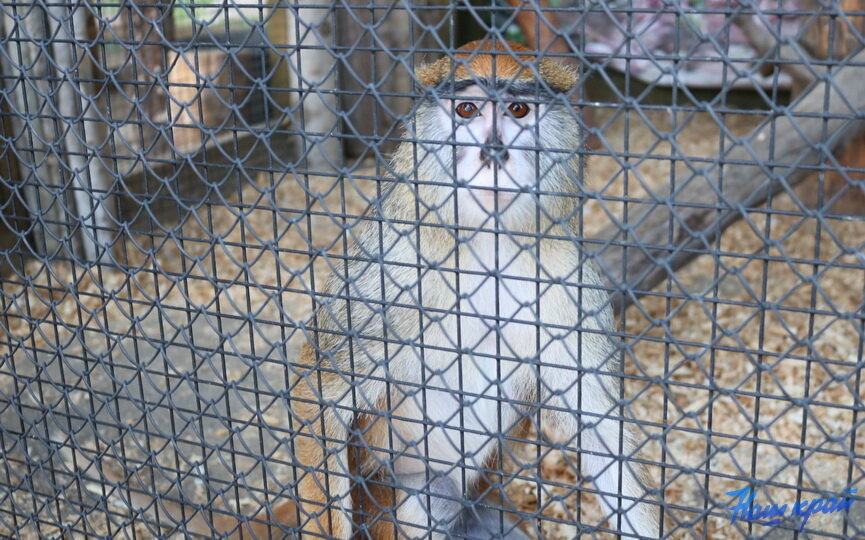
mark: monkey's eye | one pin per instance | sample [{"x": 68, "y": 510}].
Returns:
[
  {"x": 467, "y": 109},
  {"x": 518, "y": 110}
]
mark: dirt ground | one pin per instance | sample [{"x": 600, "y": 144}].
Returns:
[{"x": 716, "y": 381}]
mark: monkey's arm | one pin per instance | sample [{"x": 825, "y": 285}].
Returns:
[{"x": 323, "y": 486}]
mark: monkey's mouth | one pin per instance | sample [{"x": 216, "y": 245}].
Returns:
[
  {"x": 490, "y": 185},
  {"x": 490, "y": 197}
]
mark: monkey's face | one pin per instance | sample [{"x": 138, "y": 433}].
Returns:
[{"x": 496, "y": 143}]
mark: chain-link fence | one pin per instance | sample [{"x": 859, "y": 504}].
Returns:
[{"x": 299, "y": 268}]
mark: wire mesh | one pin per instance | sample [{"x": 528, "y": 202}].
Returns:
[{"x": 264, "y": 273}]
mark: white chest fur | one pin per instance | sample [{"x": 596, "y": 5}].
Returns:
[{"x": 467, "y": 400}]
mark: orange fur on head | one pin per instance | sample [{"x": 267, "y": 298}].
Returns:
[{"x": 503, "y": 61}]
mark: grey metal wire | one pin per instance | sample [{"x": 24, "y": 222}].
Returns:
[{"x": 171, "y": 207}]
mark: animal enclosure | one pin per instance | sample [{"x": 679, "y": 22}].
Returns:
[{"x": 181, "y": 181}]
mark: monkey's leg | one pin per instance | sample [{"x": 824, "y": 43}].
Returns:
[
  {"x": 323, "y": 488},
  {"x": 607, "y": 457},
  {"x": 493, "y": 515},
  {"x": 428, "y": 506},
  {"x": 485, "y": 523},
  {"x": 434, "y": 507}
]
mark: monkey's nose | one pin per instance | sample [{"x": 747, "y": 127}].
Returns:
[{"x": 492, "y": 151}]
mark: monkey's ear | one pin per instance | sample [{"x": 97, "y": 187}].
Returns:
[
  {"x": 560, "y": 77},
  {"x": 432, "y": 75}
]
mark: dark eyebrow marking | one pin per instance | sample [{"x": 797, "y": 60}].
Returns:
[{"x": 447, "y": 89}]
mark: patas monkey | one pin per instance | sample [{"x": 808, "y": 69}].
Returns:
[
  {"x": 464, "y": 313},
  {"x": 467, "y": 312}
]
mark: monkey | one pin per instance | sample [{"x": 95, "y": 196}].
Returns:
[
  {"x": 465, "y": 313},
  {"x": 467, "y": 308}
]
